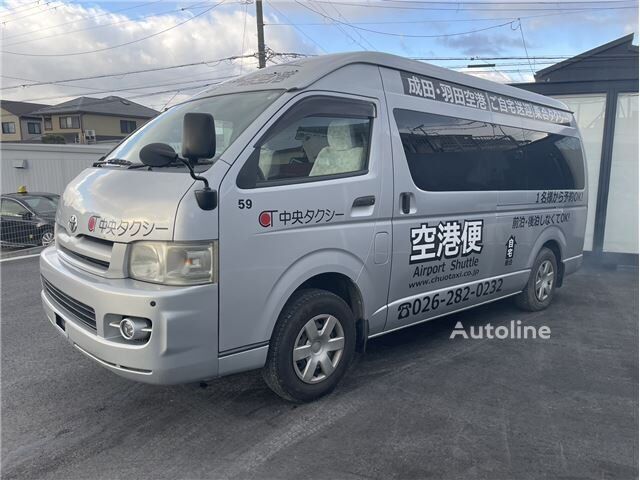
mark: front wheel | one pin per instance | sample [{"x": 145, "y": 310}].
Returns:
[
  {"x": 46, "y": 237},
  {"x": 541, "y": 286},
  {"x": 311, "y": 347}
]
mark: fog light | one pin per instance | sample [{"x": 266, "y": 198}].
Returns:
[{"x": 135, "y": 328}]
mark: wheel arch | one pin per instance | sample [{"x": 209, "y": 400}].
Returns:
[
  {"x": 554, "y": 239},
  {"x": 342, "y": 275}
]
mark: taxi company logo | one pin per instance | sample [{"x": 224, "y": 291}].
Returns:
[
  {"x": 73, "y": 223},
  {"x": 266, "y": 218},
  {"x": 92, "y": 223}
]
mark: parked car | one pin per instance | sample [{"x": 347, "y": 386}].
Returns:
[{"x": 28, "y": 218}]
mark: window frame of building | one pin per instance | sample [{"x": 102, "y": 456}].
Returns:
[
  {"x": 128, "y": 126},
  {"x": 69, "y": 122},
  {"x": 9, "y": 128},
  {"x": 48, "y": 123},
  {"x": 35, "y": 126}
]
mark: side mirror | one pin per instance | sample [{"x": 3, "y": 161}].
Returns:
[
  {"x": 157, "y": 155},
  {"x": 198, "y": 136},
  {"x": 27, "y": 216}
]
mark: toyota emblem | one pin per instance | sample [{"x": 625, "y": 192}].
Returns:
[{"x": 73, "y": 223}]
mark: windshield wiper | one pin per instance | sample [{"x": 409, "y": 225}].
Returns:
[{"x": 118, "y": 162}]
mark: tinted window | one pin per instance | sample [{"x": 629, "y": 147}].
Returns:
[
  {"x": 454, "y": 154},
  {"x": 41, "y": 204},
  {"x": 12, "y": 209}
]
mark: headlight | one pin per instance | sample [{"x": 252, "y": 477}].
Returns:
[{"x": 172, "y": 263}]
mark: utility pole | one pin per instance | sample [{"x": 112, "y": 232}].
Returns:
[{"x": 261, "y": 50}]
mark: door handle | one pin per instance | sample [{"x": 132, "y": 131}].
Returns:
[
  {"x": 367, "y": 201},
  {"x": 405, "y": 202}
]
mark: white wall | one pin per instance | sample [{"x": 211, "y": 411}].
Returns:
[
  {"x": 621, "y": 225},
  {"x": 48, "y": 168},
  {"x": 589, "y": 112}
]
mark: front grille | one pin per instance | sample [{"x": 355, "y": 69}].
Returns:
[
  {"x": 81, "y": 312},
  {"x": 86, "y": 258}
]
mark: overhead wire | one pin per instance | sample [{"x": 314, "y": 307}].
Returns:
[
  {"x": 115, "y": 46},
  {"x": 406, "y": 34},
  {"x": 215, "y": 62},
  {"x": 271, "y": 4},
  {"x": 104, "y": 25},
  {"x": 87, "y": 17},
  {"x": 457, "y": 9}
]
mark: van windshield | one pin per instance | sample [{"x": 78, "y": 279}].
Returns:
[{"x": 232, "y": 114}]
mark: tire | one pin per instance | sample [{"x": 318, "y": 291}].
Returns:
[
  {"x": 541, "y": 286},
  {"x": 46, "y": 237},
  {"x": 321, "y": 363}
]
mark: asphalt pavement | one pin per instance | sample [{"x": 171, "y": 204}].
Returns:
[{"x": 416, "y": 405}]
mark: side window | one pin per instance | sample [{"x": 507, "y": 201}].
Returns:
[
  {"x": 553, "y": 161},
  {"x": 12, "y": 209},
  {"x": 312, "y": 142},
  {"x": 447, "y": 154}
]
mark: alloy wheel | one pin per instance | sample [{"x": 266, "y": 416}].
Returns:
[
  {"x": 544, "y": 280},
  {"x": 318, "y": 348}
]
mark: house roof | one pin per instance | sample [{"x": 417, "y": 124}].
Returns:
[
  {"x": 620, "y": 42},
  {"x": 111, "y": 105},
  {"x": 21, "y": 109}
]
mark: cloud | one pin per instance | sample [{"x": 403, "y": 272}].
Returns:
[
  {"x": 213, "y": 34},
  {"x": 481, "y": 43}
]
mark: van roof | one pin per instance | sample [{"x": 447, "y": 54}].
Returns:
[{"x": 302, "y": 73}]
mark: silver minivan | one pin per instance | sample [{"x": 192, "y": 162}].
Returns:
[{"x": 281, "y": 219}]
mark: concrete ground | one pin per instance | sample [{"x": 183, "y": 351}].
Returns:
[{"x": 417, "y": 405}]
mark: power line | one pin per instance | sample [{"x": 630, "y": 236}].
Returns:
[
  {"x": 137, "y": 87},
  {"x": 94, "y": 27},
  {"x": 364, "y": 39},
  {"x": 131, "y": 72},
  {"x": 336, "y": 24},
  {"x": 563, "y": 2},
  {"x": 297, "y": 28},
  {"x": 404, "y": 34},
  {"x": 13, "y": 11},
  {"x": 409, "y": 7},
  {"x": 524, "y": 44},
  {"x": 87, "y": 16},
  {"x": 34, "y": 13},
  {"x": 120, "y": 45},
  {"x": 244, "y": 31}
]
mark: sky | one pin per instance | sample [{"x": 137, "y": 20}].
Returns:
[{"x": 137, "y": 48}]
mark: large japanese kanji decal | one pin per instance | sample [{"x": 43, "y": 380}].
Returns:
[
  {"x": 453, "y": 93},
  {"x": 448, "y": 239}
]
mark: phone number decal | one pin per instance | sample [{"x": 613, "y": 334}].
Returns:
[{"x": 455, "y": 296}]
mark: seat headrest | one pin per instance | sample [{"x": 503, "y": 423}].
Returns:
[{"x": 339, "y": 135}]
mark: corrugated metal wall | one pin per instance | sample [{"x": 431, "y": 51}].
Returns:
[{"x": 43, "y": 167}]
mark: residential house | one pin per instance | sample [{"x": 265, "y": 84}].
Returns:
[
  {"x": 18, "y": 121},
  {"x": 90, "y": 120}
]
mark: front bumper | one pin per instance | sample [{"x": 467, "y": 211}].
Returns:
[{"x": 184, "y": 338}]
